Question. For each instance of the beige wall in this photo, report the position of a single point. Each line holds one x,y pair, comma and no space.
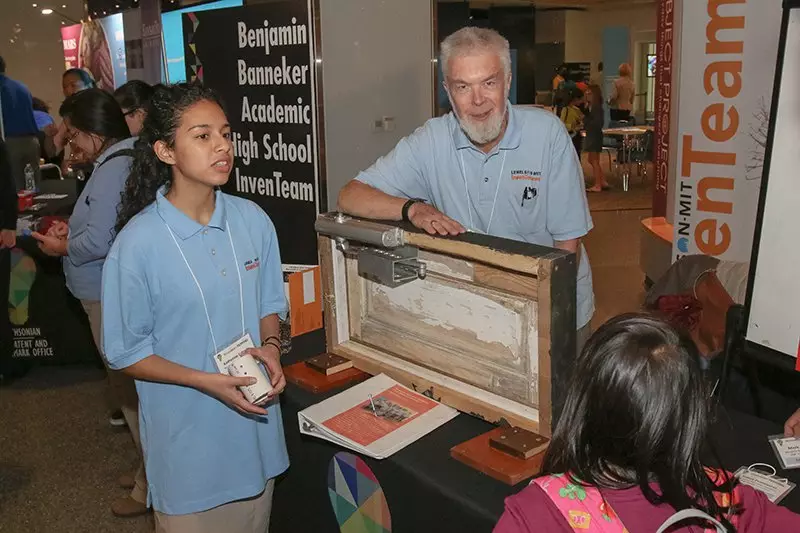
376,62
584,32
36,57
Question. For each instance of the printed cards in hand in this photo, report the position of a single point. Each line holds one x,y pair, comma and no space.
376,418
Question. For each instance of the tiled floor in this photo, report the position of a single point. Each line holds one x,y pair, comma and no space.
59,458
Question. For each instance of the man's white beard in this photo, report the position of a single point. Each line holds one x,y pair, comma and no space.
481,132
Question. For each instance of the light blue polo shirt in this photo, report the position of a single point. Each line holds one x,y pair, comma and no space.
199,453
529,188
91,225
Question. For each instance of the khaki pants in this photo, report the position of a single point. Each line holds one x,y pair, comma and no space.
123,394
243,516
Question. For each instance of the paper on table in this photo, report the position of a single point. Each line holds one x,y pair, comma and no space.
401,417
50,197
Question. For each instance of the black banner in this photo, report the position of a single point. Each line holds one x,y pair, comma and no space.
260,60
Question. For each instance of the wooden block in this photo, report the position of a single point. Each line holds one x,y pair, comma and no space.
478,454
519,442
329,364
316,382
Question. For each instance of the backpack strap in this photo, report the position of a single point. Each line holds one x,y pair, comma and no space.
582,507
124,152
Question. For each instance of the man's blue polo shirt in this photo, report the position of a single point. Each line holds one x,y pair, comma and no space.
529,188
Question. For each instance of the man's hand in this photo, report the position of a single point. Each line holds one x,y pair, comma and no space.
8,238
792,426
52,246
226,389
270,355
432,220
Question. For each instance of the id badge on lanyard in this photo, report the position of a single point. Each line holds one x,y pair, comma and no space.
232,360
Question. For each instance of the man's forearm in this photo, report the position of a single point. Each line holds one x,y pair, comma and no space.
572,246
361,200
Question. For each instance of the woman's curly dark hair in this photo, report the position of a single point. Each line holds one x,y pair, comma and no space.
148,172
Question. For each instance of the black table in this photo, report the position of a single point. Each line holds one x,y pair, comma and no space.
55,329
427,490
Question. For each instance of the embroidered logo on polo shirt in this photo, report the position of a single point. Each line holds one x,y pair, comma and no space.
251,264
527,175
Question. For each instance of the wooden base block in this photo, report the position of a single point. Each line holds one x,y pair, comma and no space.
304,377
477,453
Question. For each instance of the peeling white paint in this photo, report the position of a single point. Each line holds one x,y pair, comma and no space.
452,308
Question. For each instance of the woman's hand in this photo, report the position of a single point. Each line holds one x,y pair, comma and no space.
59,229
226,389
270,355
52,246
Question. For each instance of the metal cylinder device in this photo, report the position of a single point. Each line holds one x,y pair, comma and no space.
358,230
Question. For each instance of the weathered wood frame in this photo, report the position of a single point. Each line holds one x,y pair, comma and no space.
544,275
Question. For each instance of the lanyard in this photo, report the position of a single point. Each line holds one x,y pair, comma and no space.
202,296
496,191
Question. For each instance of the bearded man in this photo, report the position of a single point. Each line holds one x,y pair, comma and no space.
485,167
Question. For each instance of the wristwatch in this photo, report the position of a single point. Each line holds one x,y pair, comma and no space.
407,206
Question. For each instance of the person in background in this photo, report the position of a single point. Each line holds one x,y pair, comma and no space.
622,94
19,127
133,98
174,295
41,113
626,451
487,167
74,80
599,78
593,142
572,117
8,239
96,125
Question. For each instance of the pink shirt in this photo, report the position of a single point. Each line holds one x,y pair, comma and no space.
531,510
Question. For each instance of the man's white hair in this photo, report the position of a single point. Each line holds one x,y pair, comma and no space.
470,40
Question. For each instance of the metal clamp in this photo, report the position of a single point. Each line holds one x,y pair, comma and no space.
391,267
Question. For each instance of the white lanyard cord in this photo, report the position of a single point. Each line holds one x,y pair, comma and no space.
199,288
496,190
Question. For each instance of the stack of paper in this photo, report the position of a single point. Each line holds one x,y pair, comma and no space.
376,418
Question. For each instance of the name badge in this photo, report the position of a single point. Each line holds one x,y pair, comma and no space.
787,449
233,361
774,488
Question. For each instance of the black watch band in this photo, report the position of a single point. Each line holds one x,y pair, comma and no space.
407,206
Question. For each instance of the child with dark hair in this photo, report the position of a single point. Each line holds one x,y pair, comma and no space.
175,294
626,452
572,117
593,122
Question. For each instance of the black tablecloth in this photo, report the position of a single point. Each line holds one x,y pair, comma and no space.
55,329
427,490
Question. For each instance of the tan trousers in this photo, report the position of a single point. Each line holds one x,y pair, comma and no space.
123,394
243,516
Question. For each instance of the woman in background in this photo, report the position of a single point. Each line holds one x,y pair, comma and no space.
626,450
73,81
622,94
593,143
133,98
95,124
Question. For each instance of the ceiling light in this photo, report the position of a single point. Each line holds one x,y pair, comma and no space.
35,5
47,11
